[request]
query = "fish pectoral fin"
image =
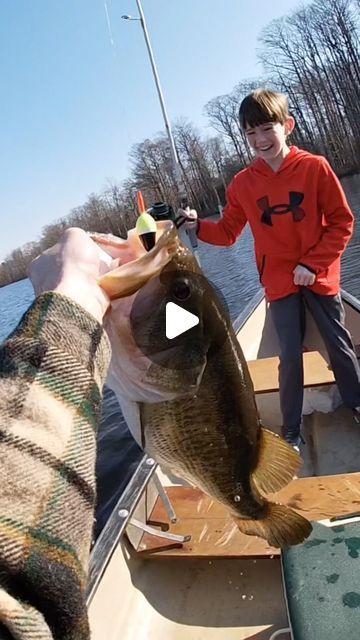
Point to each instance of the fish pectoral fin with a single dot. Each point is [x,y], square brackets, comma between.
[282,527]
[277,465]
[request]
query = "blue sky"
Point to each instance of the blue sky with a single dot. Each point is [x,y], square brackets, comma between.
[72,104]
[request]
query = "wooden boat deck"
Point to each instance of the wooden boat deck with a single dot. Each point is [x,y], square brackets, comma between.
[214,533]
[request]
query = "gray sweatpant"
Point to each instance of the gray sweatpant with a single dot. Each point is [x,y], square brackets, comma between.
[289,319]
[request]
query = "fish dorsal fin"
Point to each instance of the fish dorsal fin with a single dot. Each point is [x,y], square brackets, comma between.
[278,463]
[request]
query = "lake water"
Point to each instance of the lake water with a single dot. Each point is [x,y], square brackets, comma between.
[233,271]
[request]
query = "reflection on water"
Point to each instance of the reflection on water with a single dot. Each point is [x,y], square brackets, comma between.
[14,300]
[233,271]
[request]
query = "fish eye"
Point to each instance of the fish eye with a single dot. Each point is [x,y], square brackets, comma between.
[181,289]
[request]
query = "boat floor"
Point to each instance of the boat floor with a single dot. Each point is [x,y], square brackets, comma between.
[332,443]
[213,598]
[331,440]
[190,600]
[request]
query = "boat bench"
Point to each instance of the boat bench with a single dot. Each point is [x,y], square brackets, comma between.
[265,372]
[321,583]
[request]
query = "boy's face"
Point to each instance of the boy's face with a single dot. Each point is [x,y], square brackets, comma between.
[268,140]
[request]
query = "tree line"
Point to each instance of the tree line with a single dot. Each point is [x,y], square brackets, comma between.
[312,55]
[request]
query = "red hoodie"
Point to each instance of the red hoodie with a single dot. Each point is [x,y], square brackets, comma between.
[298,215]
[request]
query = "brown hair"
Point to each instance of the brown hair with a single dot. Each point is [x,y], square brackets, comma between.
[261,106]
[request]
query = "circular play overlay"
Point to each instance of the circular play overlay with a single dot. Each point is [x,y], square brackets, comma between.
[178,318]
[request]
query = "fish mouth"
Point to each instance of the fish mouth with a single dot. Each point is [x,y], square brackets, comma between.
[136,322]
[136,265]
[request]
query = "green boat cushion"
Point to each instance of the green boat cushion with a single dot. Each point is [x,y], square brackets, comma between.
[322,583]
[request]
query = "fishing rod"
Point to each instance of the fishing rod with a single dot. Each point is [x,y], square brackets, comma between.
[180,183]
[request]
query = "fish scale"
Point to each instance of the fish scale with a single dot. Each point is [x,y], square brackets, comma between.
[195,431]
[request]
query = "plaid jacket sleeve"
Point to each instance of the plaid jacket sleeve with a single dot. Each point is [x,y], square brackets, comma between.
[52,369]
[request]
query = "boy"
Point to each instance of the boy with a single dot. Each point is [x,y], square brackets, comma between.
[301,223]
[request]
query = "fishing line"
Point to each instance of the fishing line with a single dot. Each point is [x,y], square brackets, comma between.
[109,29]
[127,142]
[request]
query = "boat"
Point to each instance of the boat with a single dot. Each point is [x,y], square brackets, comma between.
[169,564]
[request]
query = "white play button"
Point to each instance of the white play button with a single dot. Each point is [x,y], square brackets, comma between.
[178,320]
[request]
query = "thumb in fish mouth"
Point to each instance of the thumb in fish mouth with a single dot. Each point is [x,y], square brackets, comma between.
[139,265]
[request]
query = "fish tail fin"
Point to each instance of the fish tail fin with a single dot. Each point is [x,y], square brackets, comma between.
[281,527]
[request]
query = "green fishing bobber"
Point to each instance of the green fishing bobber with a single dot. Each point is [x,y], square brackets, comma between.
[146,230]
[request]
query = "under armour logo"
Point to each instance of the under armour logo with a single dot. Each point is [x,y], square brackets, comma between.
[295,200]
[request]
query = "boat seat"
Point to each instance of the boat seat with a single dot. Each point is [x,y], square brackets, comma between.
[265,372]
[321,583]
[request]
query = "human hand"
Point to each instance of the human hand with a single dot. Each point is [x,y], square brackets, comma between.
[303,277]
[190,216]
[72,268]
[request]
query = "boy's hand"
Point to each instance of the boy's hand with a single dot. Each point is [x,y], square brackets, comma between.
[303,277]
[190,216]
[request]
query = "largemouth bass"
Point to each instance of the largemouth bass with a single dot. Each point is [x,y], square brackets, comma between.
[190,403]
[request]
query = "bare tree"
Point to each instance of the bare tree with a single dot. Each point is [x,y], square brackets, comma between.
[314,53]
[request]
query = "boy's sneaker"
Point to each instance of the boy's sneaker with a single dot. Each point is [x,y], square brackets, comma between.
[292,436]
[356,414]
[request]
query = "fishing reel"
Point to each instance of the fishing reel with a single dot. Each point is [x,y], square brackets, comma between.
[161,211]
